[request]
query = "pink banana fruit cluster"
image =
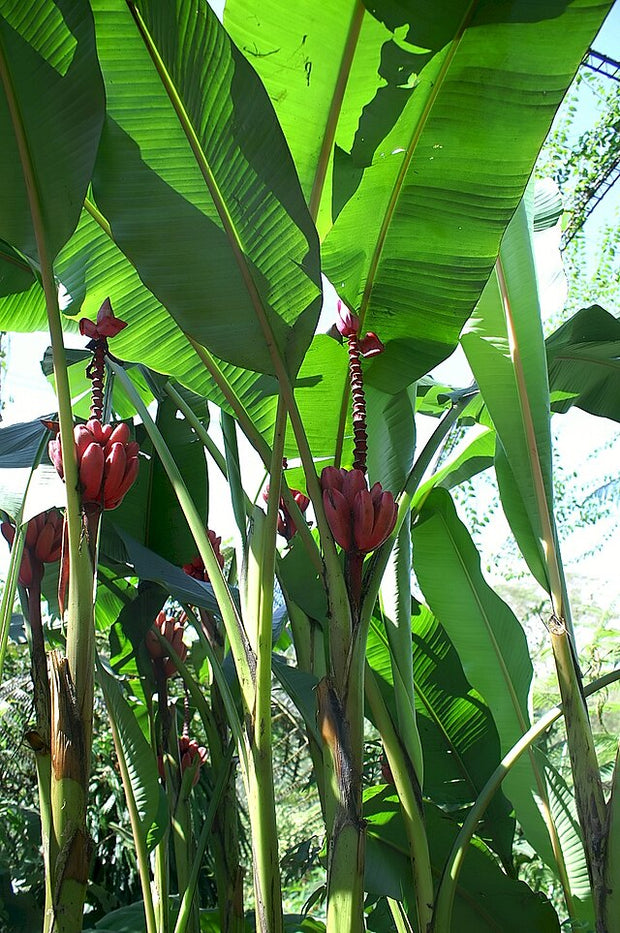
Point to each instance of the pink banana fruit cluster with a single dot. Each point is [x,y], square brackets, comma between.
[196,567]
[286,526]
[42,545]
[107,461]
[172,630]
[189,751]
[360,519]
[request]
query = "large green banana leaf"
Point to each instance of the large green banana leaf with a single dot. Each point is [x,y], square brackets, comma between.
[459,737]
[490,643]
[583,356]
[195,178]
[504,345]
[51,112]
[486,899]
[414,128]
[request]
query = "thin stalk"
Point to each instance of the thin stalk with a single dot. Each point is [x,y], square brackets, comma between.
[201,432]
[142,856]
[242,654]
[589,796]
[396,605]
[190,890]
[220,721]
[442,917]
[401,921]
[8,593]
[260,446]
[184,849]
[261,798]
[410,802]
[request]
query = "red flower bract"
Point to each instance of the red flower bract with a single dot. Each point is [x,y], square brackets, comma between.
[189,751]
[286,526]
[107,324]
[196,567]
[347,323]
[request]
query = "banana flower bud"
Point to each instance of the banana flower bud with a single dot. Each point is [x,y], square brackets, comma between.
[107,325]
[189,751]
[347,323]
[359,519]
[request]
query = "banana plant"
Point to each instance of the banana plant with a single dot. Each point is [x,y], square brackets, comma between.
[194,187]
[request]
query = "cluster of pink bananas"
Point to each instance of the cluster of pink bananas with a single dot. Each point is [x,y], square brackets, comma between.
[107,461]
[189,751]
[42,545]
[360,519]
[286,526]
[196,567]
[172,630]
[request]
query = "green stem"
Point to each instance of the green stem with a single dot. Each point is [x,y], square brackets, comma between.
[8,592]
[589,796]
[261,798]
[396,606]
[184,848]
[69,812]
[410,798]
[190,890]
[260,446]
[242,654]
[442,917]
[380,558]
[142,856]
[201,432]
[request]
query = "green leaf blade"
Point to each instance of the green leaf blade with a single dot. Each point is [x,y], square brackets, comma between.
[53,99]
[215,174]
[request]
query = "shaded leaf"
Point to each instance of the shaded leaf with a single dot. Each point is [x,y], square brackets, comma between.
[211,167]
[51,68]
[138,754]
[491,644]
[459,737]
[583,356]
[486,899]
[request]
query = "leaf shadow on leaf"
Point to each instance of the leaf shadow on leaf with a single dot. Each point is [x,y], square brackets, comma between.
[194,282]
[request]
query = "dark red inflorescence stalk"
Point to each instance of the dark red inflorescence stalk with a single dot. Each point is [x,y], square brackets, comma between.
[95,371]
[348,325]
[360,435]
[107,459]
[106,325]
